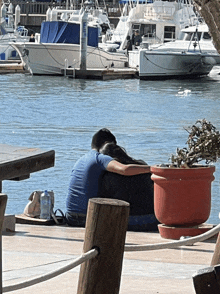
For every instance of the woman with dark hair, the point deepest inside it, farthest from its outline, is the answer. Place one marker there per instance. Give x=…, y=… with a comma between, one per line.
x=119, y=154
x=137, y=190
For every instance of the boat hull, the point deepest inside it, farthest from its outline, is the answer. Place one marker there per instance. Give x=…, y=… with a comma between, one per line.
x=52, y=59
x=187, y=46
x=154, y=64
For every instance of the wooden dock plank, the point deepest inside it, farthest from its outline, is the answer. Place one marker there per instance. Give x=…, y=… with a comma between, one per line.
x=11, y=67
x=101, y=74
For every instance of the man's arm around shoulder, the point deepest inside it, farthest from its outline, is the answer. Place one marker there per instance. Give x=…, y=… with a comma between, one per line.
x=127, y=169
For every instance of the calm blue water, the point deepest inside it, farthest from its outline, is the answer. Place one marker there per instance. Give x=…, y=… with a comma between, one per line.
x=147, y=117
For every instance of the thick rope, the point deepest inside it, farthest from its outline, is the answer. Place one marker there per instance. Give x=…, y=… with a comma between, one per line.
x=84, y=257
x=174, y=244
x=93, y=253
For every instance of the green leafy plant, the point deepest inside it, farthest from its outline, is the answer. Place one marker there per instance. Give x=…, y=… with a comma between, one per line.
x=203, y=144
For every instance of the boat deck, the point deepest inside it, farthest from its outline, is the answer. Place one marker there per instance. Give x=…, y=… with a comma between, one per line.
x=35, y=250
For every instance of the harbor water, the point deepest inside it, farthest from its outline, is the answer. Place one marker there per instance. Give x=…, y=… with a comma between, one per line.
x=147, y=117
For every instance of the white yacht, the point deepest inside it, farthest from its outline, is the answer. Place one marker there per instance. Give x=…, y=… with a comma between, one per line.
x=193, y=54
x=57, y=47
x=157, y=21
x=178, y=64
x=192, y=39
x=10, y=31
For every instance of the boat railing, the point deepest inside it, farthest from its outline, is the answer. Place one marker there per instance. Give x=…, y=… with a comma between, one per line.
x=159, y=12
x=149, y=38
x=22, y=31
x=149, y=41
x=114, y=11
x=169, y=36
x=37, y=7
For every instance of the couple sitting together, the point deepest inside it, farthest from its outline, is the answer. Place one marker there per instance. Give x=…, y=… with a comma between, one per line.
x=107, y=171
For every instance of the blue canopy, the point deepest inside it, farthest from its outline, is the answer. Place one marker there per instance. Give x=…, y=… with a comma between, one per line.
x=65, y=32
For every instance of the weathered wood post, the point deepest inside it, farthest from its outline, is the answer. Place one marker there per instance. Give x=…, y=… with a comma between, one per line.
x=3, y=201
x=206, y=281
x=83, y=39
x=106, y=227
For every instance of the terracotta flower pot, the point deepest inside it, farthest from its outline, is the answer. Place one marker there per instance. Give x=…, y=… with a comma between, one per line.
x=182, y=197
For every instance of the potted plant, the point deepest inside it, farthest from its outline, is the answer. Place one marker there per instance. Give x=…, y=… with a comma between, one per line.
x=182, y=189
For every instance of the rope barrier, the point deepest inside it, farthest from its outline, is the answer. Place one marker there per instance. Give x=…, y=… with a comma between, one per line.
x=94, y=252
x=174, y=244
x=84, y=257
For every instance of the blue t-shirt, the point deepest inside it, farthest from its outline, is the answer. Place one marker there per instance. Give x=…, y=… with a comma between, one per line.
x=85, y=180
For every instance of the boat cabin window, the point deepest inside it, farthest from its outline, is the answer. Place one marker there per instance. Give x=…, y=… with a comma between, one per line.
x=146, y=30
x=136, y=27
x=196, y=36
x=169, y=33
x=206, y=36
x=188, y=36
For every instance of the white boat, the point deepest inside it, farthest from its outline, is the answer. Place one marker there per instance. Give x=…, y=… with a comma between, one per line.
x=10, y=32
x=163, y=64
x=57, y=47
x=157, y=21
x=192, y=55
x=192, y=39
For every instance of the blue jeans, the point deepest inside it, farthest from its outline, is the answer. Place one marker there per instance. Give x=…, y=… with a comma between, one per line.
x=75, y=219
x=143, y=223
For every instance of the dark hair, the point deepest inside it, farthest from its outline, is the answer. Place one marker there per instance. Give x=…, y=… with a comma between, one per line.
x=101, y=137
x=128, y=38
x=119, y=154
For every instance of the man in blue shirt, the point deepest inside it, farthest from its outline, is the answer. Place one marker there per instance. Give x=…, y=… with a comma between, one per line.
x=86, y=174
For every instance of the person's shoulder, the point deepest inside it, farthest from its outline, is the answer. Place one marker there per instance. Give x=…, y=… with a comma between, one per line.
x=85, y=156
x=104, y=156
x=104, y=159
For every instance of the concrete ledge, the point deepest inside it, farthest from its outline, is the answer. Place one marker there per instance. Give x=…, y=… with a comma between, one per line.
x=9, y=223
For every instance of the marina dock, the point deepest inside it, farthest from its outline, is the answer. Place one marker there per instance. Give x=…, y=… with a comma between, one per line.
x=35, y=250
x=101, y=74
x=11, y=66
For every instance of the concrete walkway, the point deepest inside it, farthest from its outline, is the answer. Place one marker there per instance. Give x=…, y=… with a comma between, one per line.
x=34, y=250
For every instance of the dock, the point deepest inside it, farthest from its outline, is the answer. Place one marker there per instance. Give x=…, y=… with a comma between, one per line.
x=33, y=250
x=11, y=66
x=101, y=74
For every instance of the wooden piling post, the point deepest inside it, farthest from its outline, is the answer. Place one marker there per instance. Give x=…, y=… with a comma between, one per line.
x=3, y=201
x=83, y=39
x=106, y=227
x=207, y=280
